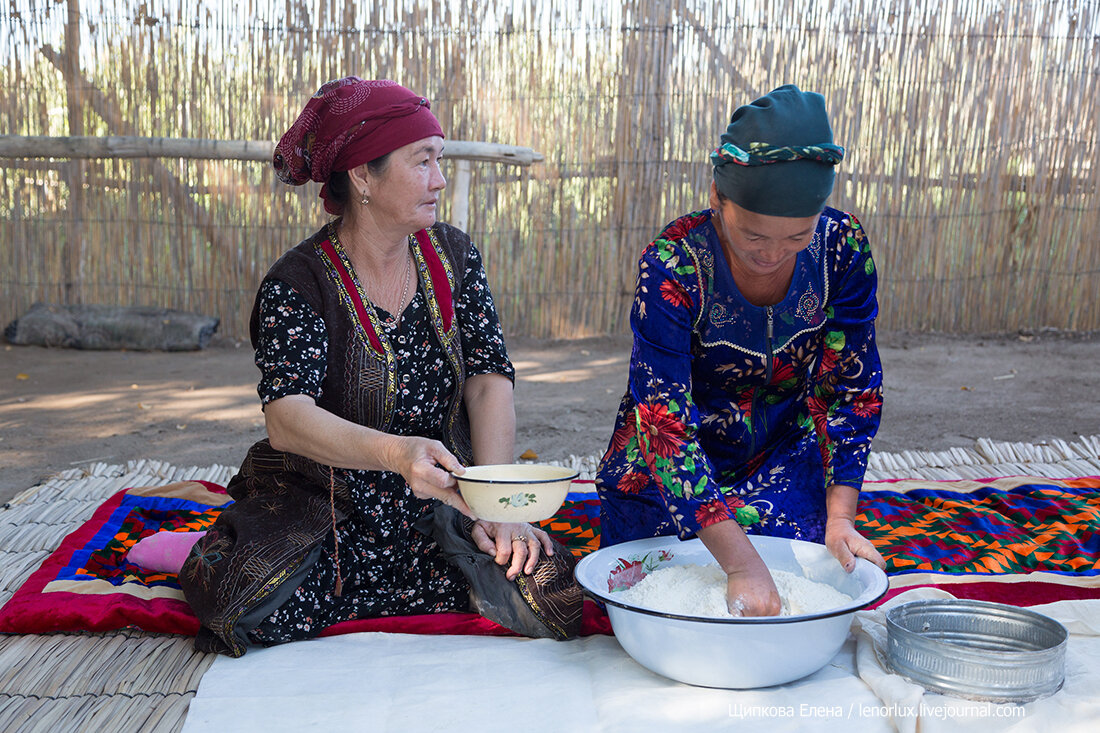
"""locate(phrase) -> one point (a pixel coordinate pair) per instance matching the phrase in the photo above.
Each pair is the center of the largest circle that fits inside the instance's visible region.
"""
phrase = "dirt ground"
(62, 408)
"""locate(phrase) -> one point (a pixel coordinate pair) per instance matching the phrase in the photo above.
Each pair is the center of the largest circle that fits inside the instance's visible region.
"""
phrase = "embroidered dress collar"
(434, 275)
(730, 314)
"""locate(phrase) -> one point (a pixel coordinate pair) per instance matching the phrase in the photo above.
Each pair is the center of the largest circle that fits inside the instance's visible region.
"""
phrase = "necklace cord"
(395, 318)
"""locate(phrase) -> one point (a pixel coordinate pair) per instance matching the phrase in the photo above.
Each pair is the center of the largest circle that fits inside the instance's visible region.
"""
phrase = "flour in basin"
(700, 590)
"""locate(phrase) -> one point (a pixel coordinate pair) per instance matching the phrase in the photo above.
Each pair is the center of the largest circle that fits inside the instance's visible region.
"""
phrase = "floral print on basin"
(630, 570)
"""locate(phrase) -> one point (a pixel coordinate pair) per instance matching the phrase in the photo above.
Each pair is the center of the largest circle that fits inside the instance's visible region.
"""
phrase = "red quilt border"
(29, 611)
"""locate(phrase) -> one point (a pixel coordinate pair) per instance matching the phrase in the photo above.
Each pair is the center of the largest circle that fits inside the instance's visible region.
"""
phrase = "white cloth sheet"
(911, 709)
(408, 683)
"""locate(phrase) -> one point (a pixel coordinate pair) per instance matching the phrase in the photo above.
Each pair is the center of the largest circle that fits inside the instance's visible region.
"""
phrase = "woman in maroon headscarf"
(383, 370)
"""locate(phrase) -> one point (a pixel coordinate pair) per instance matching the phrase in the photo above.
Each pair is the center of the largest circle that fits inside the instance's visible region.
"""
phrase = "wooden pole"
(460, 195)
(73, 252)
(110, 113)
(131, 146)
(721, 58)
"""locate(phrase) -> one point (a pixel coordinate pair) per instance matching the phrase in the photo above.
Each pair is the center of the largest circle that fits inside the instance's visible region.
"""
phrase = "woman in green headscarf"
(755, 384)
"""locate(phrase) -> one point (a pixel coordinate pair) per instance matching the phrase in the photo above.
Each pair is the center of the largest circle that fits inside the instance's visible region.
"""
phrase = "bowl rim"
(855, 605)
(571, 475)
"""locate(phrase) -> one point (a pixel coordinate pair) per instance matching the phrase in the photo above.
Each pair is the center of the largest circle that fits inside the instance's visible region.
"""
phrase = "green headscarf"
(777, 154)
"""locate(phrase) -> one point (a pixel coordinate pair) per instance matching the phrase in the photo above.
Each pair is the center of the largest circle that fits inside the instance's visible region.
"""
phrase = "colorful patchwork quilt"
(87, 584)
(1020, 540)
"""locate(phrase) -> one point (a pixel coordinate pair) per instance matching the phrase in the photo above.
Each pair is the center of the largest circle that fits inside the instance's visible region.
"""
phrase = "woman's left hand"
(846, 544)
(841, 536)
(520, 542)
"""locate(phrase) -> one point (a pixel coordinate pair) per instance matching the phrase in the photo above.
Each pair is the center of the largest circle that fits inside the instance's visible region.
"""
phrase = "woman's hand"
(847, 544)
(296, 424)
(521, 542)
(841, 536)
(751, 591)
(426, 465)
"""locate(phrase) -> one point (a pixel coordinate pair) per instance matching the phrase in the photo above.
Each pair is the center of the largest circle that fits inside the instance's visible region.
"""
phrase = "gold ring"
(519, 537)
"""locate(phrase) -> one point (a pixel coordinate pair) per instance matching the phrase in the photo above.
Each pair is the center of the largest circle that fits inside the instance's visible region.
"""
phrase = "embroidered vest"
(359, 382)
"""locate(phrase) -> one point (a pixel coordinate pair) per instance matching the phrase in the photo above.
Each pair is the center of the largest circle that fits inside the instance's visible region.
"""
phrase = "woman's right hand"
(751, 591)
(426, 465)
(297, 425)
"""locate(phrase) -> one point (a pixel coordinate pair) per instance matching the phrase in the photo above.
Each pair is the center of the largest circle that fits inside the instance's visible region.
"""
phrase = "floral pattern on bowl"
(519, 500)
(630, 570)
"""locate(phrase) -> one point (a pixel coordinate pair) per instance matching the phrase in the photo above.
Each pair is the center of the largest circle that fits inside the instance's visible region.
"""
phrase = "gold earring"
(365, 200)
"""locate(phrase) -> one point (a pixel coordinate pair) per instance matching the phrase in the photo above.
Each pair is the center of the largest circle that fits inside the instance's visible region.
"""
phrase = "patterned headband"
(765, 154)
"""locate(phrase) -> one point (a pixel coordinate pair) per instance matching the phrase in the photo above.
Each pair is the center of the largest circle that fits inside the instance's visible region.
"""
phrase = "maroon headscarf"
(349, 122)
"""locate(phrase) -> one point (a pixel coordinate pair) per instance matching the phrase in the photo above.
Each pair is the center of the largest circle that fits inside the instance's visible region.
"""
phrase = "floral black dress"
(387, 567)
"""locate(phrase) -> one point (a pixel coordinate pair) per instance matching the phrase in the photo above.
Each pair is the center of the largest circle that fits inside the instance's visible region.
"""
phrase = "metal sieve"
(977, 650)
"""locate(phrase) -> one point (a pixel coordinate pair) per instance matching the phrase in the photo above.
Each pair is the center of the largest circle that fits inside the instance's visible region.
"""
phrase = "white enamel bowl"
(516, 492)
(733, 653)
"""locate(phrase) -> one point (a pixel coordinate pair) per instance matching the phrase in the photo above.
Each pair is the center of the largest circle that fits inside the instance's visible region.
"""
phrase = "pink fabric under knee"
(163, 552)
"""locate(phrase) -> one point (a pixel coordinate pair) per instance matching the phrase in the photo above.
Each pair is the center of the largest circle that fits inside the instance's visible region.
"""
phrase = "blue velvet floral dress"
(736, 411)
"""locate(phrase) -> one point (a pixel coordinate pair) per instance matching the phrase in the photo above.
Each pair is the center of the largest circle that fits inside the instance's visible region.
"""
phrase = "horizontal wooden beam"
(126, 146)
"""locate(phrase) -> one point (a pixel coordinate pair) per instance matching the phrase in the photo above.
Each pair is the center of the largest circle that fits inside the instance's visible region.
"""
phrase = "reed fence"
(971, 128)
